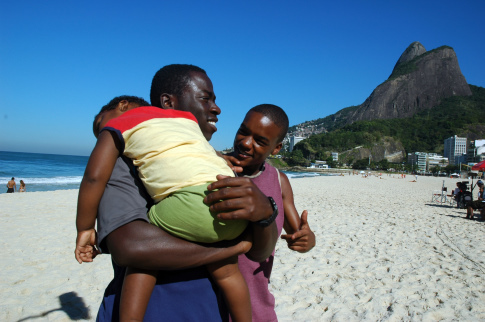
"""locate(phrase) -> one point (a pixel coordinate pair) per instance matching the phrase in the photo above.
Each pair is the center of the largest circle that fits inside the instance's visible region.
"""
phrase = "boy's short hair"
(275, 114)
(171, 79)
(115, 101)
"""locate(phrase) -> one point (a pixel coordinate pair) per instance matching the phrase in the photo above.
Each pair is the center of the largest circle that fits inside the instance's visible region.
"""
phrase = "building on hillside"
(335, 156)
(455, 148)
(294, 140)
(423, 162)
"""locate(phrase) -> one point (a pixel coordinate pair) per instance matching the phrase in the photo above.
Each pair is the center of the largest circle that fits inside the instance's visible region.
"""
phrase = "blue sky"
(60, 61)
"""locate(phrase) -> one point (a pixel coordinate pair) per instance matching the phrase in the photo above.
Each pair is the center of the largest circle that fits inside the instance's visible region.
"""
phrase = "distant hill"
(393, 138)
(420, 80)
(425, 100)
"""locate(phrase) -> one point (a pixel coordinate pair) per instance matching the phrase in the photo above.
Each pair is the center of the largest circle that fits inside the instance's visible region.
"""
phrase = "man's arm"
(299, 236)
(240, 198)
(142, 245)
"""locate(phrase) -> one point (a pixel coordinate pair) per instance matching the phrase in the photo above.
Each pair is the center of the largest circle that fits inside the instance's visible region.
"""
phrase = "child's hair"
(171, 79)
(275, 114)
(115, 101)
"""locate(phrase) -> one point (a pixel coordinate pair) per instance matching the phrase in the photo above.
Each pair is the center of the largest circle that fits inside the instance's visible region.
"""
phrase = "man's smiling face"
(199, 99)
(255, 140)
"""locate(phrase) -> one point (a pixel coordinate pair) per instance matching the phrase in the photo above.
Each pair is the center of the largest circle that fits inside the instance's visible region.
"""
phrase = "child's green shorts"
(185, 215)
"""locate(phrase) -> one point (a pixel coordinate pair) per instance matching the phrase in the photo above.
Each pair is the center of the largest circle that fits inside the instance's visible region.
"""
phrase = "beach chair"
(440, 195)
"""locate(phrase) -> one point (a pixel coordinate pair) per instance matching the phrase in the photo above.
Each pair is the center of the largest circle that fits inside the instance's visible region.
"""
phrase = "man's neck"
(254, 171)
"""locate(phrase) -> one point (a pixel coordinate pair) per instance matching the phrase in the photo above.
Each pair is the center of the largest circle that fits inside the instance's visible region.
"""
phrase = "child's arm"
(98, 171)
(299, 236)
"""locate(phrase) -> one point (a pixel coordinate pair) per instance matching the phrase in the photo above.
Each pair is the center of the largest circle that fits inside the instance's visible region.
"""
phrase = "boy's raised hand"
(304, 239)
(86, 246)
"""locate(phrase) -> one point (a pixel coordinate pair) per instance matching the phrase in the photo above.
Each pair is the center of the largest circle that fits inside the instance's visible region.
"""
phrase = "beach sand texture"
(384, 252)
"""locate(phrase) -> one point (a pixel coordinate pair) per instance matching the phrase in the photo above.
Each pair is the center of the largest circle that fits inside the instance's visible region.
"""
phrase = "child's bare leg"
(228, 277)
(135, 294)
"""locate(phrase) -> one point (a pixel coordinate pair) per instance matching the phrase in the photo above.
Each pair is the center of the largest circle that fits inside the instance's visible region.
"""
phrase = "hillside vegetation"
(424, 132)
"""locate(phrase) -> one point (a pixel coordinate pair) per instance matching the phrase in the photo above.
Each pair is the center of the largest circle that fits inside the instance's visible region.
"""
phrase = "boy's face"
(199, 99)
(255, 140)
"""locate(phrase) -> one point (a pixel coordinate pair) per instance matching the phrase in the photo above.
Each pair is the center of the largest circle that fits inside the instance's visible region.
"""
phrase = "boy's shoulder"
(136, 116)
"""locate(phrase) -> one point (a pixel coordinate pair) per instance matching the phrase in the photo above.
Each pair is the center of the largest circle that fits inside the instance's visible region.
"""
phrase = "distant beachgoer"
(11, 186)
(22, 186)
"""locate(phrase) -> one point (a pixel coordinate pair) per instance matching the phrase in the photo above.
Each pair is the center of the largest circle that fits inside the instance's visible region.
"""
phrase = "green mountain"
(425, 100)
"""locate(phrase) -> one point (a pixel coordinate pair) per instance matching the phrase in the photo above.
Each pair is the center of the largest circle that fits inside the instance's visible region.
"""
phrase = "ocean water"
(42, 172)
(296, 175)
(49, 172)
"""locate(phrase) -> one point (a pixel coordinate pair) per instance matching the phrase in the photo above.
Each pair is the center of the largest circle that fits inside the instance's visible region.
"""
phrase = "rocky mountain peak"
(415, 85)
(414, 50)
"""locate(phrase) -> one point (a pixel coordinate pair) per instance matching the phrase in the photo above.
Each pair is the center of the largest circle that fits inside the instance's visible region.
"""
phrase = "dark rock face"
(420, 80)
(414, 50)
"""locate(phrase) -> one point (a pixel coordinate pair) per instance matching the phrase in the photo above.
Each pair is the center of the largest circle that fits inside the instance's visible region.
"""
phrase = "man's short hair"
(480, 182)
(276, 115)
(171, 79)
(13, 178)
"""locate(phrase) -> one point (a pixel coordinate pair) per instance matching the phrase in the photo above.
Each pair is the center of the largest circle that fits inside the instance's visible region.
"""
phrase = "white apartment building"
(423, 161)
(294, 140)
(455, 147)
(436, 160)
(335, 156)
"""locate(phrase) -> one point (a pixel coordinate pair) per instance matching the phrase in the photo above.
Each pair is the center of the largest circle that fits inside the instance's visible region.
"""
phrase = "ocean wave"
(46, 181)
(295, 175)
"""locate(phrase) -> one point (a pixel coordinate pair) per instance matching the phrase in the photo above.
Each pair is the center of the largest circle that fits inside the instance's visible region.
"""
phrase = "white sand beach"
(384, 252)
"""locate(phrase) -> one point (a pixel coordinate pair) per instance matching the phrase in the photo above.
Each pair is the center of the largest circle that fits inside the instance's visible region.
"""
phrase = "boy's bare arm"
(299, 236)
(142, 245)
(97, 173)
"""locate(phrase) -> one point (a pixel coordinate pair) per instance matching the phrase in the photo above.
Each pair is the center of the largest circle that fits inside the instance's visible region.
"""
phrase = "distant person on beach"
(22, 186)
(124, 230)
(175, 163)
(11, 186)
(260, 135)
(477, 204)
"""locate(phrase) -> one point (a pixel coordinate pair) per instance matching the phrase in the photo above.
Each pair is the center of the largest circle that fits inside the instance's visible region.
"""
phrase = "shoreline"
(384, 252)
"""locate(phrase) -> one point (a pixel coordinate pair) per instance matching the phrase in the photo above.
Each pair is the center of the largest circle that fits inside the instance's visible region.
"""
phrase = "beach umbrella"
(480, 166)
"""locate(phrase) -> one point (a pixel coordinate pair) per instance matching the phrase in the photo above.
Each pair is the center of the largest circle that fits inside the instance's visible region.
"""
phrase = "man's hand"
(231, 161)
(304, 239)
(86, 246)
(238, 198)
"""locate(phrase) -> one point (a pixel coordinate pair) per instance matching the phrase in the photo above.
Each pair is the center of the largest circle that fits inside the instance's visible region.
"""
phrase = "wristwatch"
(267, 222)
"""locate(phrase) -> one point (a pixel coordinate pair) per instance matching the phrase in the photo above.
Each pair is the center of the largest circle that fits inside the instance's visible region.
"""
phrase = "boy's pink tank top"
(257, 274)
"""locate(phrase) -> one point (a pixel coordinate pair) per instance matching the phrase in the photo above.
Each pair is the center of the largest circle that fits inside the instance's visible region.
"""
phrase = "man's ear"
(168, 101)
(123, 105)
(277, 148)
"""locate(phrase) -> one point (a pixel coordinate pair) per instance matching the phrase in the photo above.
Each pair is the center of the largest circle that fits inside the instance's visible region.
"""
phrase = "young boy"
(261, 134)
(175, 163)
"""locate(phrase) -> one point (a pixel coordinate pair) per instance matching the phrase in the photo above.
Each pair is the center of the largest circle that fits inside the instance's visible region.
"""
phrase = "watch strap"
(268, 221)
